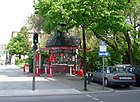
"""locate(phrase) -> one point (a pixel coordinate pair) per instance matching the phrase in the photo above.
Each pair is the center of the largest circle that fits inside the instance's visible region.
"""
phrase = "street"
(124, 96)
(70, 51)
(120, 96)
(18, 84)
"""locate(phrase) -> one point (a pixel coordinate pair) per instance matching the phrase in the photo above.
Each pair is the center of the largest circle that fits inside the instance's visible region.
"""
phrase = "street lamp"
(84, 59)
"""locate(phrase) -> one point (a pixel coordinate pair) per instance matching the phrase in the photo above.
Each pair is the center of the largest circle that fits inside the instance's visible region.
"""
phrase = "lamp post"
(84, 60)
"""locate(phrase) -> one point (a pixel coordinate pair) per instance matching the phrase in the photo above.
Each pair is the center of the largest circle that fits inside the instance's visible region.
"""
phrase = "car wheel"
(106, 83)
(137, 84)
(127, 86)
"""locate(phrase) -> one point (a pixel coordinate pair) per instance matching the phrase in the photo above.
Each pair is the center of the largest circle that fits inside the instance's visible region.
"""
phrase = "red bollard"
(51, 59)
(51, 75)
(26, 68)
(37, 71)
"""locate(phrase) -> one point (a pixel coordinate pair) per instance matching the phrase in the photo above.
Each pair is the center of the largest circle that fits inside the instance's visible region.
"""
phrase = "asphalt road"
(120, 94)
(117, 96)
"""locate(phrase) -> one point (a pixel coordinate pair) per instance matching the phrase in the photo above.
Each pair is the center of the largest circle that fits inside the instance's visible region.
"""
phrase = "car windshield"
(118, 70)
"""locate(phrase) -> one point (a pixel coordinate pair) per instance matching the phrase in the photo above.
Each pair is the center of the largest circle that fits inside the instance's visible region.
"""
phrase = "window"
(113, 70)
(121, 70)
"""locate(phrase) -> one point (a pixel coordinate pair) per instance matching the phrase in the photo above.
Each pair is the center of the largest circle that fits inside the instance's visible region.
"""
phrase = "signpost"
(102, 54)
(35, 41)
(34, 62)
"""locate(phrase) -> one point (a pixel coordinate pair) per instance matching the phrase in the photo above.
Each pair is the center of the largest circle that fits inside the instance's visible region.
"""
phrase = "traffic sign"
(102, 46)
(102, 54)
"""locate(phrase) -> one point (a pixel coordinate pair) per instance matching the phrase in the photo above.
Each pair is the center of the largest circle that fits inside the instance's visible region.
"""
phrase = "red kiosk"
(63, 50)
(65, 62)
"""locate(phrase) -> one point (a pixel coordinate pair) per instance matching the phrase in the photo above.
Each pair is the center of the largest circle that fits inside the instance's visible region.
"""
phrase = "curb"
(47, 92)
(41, 92)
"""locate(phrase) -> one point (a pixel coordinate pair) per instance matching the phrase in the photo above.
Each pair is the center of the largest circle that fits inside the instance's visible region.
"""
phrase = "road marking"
(88, 95)
(95, 98)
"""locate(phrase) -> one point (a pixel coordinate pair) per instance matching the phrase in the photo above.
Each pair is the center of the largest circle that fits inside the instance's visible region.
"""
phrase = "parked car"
(115, 76)
(135, 70)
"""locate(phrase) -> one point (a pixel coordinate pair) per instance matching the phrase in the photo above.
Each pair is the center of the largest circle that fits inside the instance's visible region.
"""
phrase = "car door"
(96, 75)
(101, 74)
(137, 73)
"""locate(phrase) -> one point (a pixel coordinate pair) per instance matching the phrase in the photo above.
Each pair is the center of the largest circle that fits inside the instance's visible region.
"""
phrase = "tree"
(132, 36)
(108, 20)
(130, 15)
(19, 45)
(35, 22)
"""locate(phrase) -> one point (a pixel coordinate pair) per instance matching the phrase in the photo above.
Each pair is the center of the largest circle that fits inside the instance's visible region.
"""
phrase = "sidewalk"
(14, 82)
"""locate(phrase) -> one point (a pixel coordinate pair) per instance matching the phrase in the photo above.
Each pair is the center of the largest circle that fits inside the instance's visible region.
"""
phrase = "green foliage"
(30, 61)
(20, 44)
(17, 45)
(21, 62)
(114, 58)
(108, 20)
(35, 22)
(99, 14)
(93, 60)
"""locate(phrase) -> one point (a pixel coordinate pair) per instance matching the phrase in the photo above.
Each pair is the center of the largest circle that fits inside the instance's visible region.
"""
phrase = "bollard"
(37, 70)
(26, 68)
(89, 78)
(85, 82)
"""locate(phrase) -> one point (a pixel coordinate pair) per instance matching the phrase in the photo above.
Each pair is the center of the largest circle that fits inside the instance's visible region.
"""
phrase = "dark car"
(115, 76)
(135, 70)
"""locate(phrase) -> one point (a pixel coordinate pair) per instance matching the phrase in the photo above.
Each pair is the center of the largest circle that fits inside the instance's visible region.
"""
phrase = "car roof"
(134, 66)
(122, 65)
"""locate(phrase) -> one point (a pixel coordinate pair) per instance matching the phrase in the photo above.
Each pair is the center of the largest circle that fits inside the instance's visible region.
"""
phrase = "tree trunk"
(129, 1)
(19, 56)
(130, 51)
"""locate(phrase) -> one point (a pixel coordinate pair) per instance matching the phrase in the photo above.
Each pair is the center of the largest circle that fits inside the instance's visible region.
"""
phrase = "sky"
(13, 15)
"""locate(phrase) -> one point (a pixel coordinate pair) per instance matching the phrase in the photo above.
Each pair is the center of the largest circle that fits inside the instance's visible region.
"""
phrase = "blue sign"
(102, 54)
